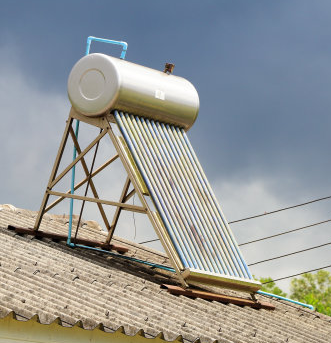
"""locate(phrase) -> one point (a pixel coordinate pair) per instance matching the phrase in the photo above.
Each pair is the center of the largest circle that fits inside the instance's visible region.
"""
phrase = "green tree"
(271, 287)
(313, 289)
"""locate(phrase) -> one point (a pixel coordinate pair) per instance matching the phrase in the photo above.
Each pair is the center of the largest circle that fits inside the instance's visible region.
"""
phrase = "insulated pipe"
(286, 299)
(72, 186)
(181, 169)
(190, 168)
(174, 163)
(159, 204)
(129, 258)
(212, 197)
(174, 192)
(149, 168)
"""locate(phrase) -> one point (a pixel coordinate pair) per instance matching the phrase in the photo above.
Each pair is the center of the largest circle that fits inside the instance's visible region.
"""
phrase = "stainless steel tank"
(98, 83)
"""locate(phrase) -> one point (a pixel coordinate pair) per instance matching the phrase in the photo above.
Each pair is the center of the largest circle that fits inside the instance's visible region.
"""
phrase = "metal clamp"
(103, 40)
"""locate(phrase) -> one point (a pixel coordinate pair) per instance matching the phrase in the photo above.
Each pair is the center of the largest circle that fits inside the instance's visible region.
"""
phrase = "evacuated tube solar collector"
(153, 111)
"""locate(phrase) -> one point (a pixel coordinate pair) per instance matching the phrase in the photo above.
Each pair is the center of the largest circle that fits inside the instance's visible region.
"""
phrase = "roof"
(39, 277)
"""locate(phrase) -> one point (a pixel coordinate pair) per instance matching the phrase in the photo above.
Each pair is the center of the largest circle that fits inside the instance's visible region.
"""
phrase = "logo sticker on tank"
(159, 94)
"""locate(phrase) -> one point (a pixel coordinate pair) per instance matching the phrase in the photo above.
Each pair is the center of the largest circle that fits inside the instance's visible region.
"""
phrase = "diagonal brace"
(81, 183)
(129, 195)
(74, 162)
(118, 210)
(87, 173)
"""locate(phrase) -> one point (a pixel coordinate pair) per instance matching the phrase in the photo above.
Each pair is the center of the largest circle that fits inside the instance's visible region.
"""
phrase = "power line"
(279, 210)
(292, 253)
(150, 241)
(290, 276)
(285, 232)
(265, 214)
(267, 237)
(134, 219)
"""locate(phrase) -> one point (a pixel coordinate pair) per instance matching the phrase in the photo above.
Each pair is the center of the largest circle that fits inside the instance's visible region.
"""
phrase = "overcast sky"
(263, 73)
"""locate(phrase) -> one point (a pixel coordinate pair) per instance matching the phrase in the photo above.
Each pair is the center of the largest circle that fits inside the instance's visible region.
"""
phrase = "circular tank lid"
(93, 84)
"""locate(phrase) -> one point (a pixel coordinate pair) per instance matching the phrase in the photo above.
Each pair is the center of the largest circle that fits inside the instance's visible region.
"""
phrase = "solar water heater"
(153, 111)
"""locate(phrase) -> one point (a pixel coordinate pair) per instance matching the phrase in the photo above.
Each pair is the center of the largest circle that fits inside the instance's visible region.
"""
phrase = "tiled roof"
(80, 287)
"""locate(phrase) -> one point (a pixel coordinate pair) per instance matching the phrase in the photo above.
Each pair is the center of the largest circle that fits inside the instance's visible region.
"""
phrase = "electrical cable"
(150, 241)
(292, 253)
(267, 237)
(279, 210)
(290, 276)
(265, 214)
(134, 220)
(285, 232)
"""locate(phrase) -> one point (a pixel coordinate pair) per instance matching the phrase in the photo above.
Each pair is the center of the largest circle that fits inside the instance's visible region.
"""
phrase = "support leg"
(53, 173)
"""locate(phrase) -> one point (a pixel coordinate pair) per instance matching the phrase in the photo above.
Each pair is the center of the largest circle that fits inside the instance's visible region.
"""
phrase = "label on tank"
(159, 94)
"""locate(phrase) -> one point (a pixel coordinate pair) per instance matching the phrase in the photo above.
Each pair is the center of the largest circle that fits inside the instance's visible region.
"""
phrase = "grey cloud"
(263, 76)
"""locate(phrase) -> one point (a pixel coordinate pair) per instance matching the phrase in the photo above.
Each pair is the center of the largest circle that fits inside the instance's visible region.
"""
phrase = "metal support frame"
(54, 178)
(133, 178)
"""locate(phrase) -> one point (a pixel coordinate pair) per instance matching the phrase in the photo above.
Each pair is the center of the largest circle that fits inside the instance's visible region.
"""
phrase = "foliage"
(313, 289)
(271, 287)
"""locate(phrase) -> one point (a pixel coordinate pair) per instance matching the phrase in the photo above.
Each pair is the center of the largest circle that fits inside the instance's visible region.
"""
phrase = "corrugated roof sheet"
(79, 287)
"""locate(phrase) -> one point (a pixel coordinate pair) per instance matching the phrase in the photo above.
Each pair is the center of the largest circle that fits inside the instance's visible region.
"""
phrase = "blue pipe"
(155, 265)
(286, 299)
(103, 40)
(72, 191)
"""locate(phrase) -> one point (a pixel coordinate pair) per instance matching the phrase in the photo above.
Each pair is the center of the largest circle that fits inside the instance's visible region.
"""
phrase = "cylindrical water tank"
(98, 83)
